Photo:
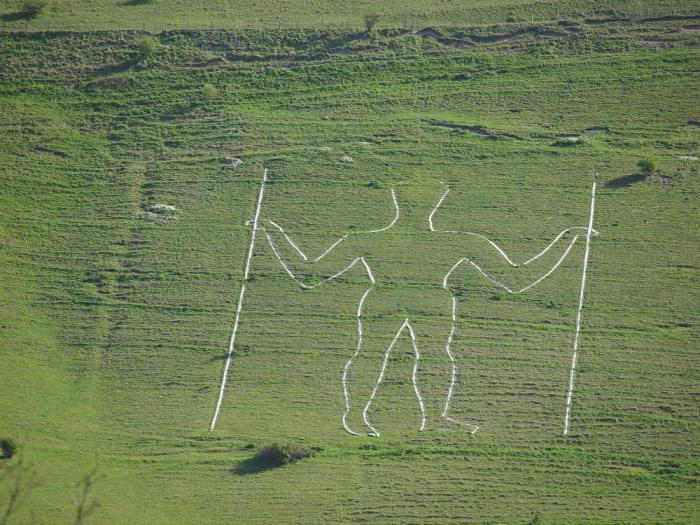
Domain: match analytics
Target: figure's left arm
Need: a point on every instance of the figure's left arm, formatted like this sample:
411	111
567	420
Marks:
494	264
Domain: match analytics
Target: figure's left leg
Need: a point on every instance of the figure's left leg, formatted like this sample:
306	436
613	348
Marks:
439	372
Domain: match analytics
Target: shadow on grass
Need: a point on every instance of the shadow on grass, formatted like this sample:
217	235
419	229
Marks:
253	465
625	181
121	67
137	2
17	16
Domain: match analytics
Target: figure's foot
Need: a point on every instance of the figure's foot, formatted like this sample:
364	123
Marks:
448	424
354	424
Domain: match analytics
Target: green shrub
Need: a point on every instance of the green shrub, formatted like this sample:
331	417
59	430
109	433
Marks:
277	455
34	8
647	165
209	92
8	447
147	48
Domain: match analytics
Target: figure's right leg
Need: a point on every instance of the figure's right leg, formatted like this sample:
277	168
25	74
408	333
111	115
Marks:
449	349
363	373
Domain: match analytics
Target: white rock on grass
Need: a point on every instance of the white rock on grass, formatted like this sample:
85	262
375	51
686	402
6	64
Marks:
235	162
149	216
162	207
689	158
346	158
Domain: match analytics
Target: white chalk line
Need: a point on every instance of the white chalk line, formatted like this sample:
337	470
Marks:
453	374
303	255
572	372
365	417
311	287
500	284
492	243
397	213
589	231
347	366
239	307
373	431
289	240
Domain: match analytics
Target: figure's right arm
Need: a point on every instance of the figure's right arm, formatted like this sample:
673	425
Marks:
307	271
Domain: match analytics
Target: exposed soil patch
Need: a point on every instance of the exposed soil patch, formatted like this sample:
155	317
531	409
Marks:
599	21
429	31
655	43
534	31
659	177
110	83
481	131
42	149
475	39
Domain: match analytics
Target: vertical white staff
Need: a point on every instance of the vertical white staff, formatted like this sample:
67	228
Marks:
572	372
246	273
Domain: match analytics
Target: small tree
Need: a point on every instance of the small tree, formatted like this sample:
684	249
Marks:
33	8
647	165
147	47
370	22
9	448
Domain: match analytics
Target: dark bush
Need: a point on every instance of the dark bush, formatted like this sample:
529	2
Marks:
277	455
647	165
8	447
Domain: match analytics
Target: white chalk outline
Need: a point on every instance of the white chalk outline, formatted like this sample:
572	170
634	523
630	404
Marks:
572	371
406	324
239	307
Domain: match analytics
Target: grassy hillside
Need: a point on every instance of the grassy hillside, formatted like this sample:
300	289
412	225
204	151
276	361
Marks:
156	15
115	318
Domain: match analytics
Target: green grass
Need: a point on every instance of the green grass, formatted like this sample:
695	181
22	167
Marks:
156	15
113	326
